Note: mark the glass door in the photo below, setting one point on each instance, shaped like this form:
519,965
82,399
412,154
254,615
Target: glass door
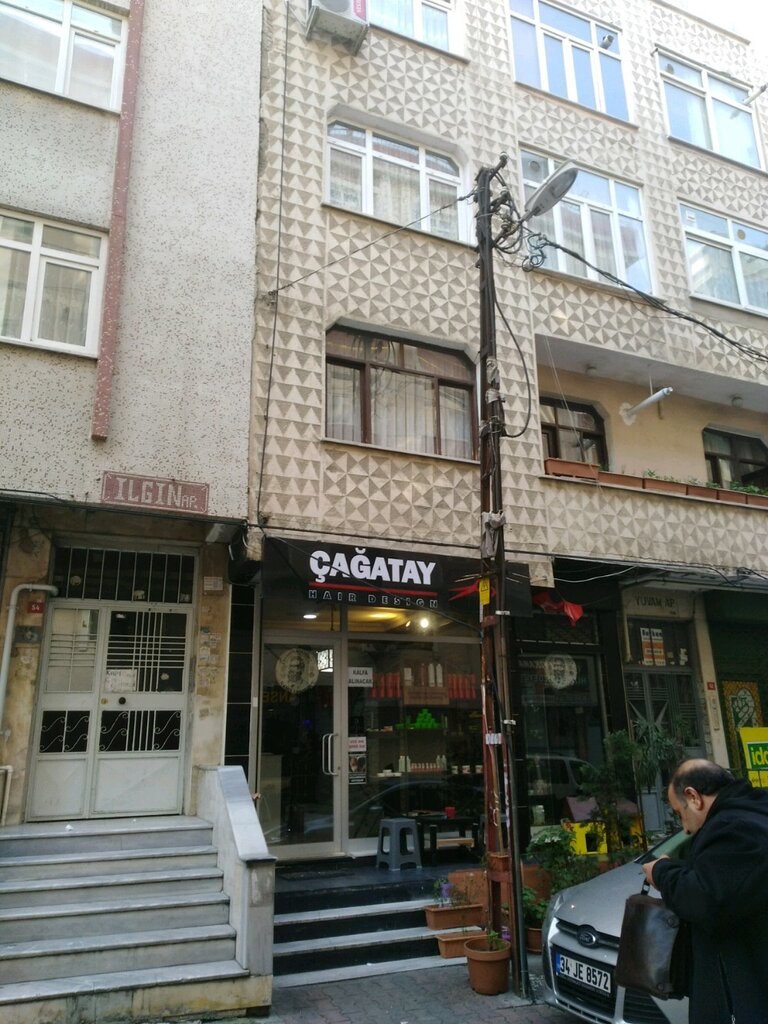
302,749
667,701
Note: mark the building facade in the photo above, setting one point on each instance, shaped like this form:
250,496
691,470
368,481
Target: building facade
127,272
242,409
365,498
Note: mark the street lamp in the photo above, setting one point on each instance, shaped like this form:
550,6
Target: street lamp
494,613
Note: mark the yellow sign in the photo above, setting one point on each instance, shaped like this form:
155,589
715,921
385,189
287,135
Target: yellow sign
484,589
755,744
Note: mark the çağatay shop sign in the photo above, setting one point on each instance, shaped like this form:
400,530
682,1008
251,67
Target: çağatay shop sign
369,576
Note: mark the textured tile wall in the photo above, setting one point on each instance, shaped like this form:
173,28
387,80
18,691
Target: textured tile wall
355,269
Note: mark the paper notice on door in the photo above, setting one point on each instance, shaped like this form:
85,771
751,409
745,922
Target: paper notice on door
645,640
657,642
120,680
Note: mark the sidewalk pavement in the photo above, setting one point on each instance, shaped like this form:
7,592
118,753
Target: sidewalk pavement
433,996
437,995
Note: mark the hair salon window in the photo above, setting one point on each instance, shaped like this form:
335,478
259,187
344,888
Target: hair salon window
399,395
570,430
733,457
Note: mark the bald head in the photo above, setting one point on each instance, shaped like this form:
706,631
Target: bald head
693,789
704,776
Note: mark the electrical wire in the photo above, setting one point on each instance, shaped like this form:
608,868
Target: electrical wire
536,258
278,255
379,238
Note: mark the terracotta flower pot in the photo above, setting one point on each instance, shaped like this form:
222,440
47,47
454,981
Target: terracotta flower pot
488,968
452,943
463,916
734,497
619,479
565,467
533,939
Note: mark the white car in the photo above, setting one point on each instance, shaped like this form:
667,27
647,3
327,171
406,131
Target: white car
580,946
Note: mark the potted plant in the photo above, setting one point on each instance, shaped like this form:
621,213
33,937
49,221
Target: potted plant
552,848
566,467
488,963
534,912
452,908
611,786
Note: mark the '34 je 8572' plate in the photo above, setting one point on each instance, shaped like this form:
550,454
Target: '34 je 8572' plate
583,973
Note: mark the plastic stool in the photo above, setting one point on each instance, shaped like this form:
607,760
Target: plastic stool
398,844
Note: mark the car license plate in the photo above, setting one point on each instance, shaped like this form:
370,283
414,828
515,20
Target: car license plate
583,973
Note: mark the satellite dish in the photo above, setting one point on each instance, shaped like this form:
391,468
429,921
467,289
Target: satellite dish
551,192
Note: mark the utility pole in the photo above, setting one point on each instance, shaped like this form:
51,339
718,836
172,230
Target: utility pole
502,706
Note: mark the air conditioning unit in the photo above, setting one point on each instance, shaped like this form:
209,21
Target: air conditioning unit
344,20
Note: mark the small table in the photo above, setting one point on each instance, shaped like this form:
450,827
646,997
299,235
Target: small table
435,824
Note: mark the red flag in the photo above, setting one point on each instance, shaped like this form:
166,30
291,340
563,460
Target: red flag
548,602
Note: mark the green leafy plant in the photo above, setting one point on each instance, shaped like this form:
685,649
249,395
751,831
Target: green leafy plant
495,941
534,908
610,785
552,848
657,752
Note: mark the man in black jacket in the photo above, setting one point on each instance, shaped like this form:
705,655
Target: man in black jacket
722,890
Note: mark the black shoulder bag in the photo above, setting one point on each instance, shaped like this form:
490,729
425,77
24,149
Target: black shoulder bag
654,948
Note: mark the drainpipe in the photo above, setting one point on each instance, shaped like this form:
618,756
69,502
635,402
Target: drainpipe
6,662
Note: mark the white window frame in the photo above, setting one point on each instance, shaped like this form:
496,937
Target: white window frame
705,92
68,32
555,258
451,8
729,244
598,30
366,154
41,256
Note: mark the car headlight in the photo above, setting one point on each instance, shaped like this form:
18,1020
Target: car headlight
554,905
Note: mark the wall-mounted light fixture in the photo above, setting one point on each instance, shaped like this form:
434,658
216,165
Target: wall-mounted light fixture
590,370
755,93
629,412
606,41
737,401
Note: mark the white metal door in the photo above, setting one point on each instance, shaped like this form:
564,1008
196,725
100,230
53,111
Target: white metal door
111,712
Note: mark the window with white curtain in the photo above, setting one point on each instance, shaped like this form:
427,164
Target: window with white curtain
727,259
709,111
428,21
399,395
50,284
600,218
373,173
568,55
63,47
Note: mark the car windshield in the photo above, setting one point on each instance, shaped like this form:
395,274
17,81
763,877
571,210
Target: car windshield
675,846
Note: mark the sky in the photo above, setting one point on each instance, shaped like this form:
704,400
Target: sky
748,17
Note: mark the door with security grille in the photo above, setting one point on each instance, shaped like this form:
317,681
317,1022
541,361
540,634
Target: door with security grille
111,714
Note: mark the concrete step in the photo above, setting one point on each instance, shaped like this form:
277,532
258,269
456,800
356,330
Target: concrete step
365,970
103,834
40,960
58,865
150,994
320,953
374,917
186,910
93,888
